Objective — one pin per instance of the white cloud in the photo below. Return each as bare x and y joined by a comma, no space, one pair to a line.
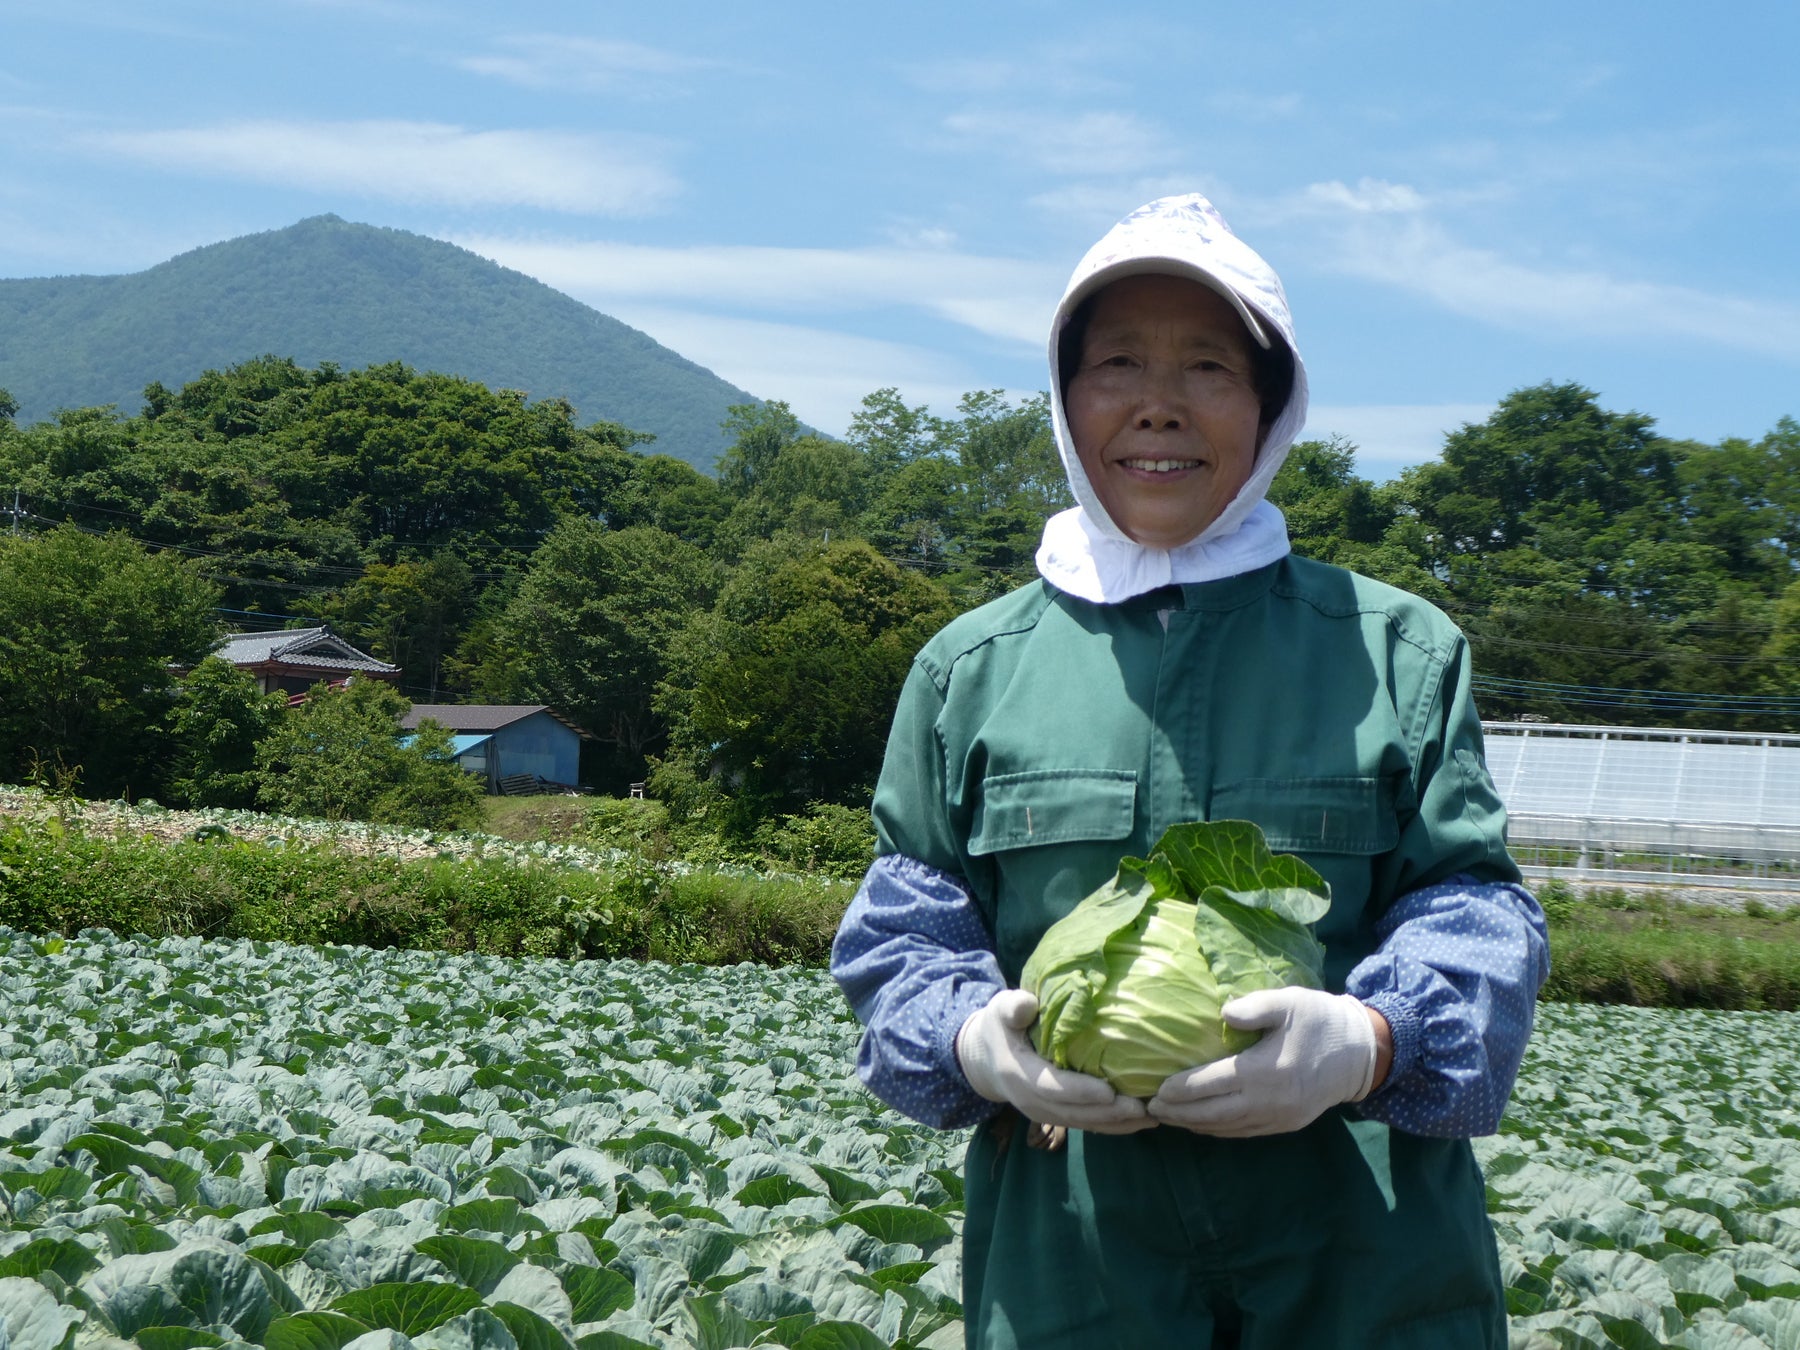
1371,196
1392,437
552,61
1062,69
1386,233
418,162
821,374
998,297
921,236
1066,143
1418,256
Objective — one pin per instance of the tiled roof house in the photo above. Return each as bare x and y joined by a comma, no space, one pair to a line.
293,660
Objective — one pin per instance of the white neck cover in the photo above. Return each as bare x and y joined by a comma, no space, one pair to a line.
1075,557
1083,551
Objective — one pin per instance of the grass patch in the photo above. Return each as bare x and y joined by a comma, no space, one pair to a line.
1647,950
532,820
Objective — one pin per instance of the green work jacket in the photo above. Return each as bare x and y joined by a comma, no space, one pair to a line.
1041,738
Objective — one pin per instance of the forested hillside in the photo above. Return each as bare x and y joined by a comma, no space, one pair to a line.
357,295
740,638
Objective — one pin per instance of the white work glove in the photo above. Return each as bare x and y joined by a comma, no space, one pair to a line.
1318,1050
998,1060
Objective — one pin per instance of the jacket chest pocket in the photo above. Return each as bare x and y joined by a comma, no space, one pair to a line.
1053,835
1350,815
1053,806
1340,826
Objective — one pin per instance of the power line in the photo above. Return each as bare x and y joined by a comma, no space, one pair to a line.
1652,700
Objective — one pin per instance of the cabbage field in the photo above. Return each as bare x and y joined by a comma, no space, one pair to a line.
221,1143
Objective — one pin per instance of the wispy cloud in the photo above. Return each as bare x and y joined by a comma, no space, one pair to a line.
1419,256
44,238
998,297
418,162
1371,196
593,65
1061,70
1384,232
822,375
121,16
1108,142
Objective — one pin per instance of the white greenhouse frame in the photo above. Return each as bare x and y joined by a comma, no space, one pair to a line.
1648,805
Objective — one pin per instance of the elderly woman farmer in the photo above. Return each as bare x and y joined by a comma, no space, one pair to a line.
1174,664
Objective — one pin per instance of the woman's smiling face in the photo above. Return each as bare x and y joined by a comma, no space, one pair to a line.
1163,406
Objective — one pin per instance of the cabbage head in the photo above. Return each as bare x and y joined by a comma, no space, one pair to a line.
1131,981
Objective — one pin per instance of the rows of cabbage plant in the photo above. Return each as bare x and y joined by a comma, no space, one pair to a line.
1646,1182
208,1144
303,1148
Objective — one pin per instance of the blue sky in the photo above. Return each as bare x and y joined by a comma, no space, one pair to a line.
816,200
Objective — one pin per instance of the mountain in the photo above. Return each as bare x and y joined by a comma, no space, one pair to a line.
329,290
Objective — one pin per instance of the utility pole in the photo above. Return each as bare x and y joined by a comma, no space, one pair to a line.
16,511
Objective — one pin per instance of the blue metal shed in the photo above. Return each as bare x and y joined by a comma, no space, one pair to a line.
520,746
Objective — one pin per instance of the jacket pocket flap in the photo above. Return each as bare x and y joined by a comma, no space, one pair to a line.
1053,806
1315,815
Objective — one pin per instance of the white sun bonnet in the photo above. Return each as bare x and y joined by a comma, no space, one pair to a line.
1083,551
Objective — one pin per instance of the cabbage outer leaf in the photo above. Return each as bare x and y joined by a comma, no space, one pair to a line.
1231,857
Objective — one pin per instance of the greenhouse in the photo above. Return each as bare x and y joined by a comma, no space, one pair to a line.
1637,805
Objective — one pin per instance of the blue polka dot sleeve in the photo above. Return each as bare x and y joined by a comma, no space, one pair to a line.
1457,977
914,958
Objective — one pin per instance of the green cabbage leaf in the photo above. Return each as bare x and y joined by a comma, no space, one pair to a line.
1130,983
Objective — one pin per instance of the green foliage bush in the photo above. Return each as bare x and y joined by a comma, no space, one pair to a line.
60,880
342,756
636,824
828,838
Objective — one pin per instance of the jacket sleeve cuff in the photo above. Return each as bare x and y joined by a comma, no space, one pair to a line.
1407,1026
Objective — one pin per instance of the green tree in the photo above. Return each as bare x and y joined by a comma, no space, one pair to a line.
1008,451
810,487
892,434
784,688
668,494
287,480
416,461
89,628
411,613
1326,505
341,755
219,717
589,628
759,432
1549,467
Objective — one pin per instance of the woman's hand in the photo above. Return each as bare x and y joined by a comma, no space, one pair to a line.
1317,1050
1000,1064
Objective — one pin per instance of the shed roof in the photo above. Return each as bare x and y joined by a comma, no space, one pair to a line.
465,717
318,648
